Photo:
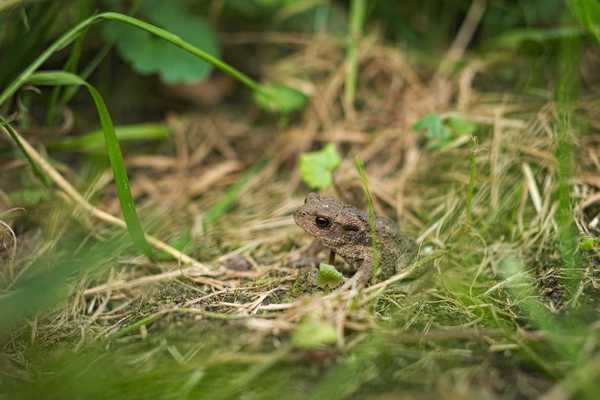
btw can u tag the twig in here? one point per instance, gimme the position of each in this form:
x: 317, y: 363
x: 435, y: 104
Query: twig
x: 462, y: 39
x: 146, y: 280
x: 534, y: 192
x: 494, y: 160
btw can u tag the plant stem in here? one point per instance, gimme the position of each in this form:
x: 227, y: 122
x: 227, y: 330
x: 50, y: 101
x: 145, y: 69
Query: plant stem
x: 566, y: 93
x: 357, y: 19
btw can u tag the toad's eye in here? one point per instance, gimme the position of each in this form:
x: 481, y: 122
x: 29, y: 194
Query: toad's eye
x: 351, y: 228
x: 322, y: 222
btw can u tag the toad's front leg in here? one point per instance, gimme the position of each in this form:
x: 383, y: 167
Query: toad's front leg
x: 362, y: 276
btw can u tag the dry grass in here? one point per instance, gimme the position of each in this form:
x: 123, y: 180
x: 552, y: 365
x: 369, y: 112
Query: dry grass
x: 252, y: 289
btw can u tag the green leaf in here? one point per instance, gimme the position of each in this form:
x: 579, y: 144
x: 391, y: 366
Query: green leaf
x: 589, y: 244
x: 279, y: 98
x: 312, y: 333
x: 461, y: 126
x: 53, y: 78
x: 317, y: 167
x: 435, y: 130
x: 328, y: 276
x: 433, y: 126
x: 148, y: 54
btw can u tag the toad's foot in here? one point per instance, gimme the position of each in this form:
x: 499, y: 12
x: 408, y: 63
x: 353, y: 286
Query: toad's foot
x: 360, y: 279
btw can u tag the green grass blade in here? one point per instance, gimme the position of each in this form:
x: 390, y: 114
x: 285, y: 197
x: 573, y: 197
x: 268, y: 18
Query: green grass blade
x: 588, y: 14
x: 70, y: 66
x: 360, y: 167
x: 517, y: 37
x: 50, y: 278
x: 59, y: 44
x: 9, y: 131
x: 112, y: 148
x: 357, y: 20
x: 228, y: 201
x: 93, y: 142
x: 85, y: 73
x: 566, y: 95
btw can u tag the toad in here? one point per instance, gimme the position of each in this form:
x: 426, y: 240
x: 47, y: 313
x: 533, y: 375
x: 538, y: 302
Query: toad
x: 345, y: 230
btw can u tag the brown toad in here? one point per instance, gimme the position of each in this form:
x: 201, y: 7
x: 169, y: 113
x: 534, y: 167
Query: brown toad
x: 345, y: 230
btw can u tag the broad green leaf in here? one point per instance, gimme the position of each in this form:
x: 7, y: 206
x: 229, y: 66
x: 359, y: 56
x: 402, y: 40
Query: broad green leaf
x: 279, y: 98
x: 54, y: 78
x: 316, y: 168
x: 328, y: 277
x: 461, y: 126
x: 149, y: 54
x: 312, y: 333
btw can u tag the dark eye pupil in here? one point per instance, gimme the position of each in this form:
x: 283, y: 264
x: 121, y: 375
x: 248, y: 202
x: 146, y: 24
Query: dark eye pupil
x: 322, y: 222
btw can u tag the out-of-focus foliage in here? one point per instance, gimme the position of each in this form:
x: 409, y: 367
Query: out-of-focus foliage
x: 440, y: 133
x: 148, y: 54
x: 317, y: 167
x: 280, y: 98
x: 328, y: 276
x: 312, y: 333
x: 588, y: 14
x: 489, y: 322
x: 51, y: 277
x: 433, y: 24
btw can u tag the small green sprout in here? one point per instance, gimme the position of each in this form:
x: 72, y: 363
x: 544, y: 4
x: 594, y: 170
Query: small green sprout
x: 441, y: 133
x: 316, y: 168
x: 328, y: 276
